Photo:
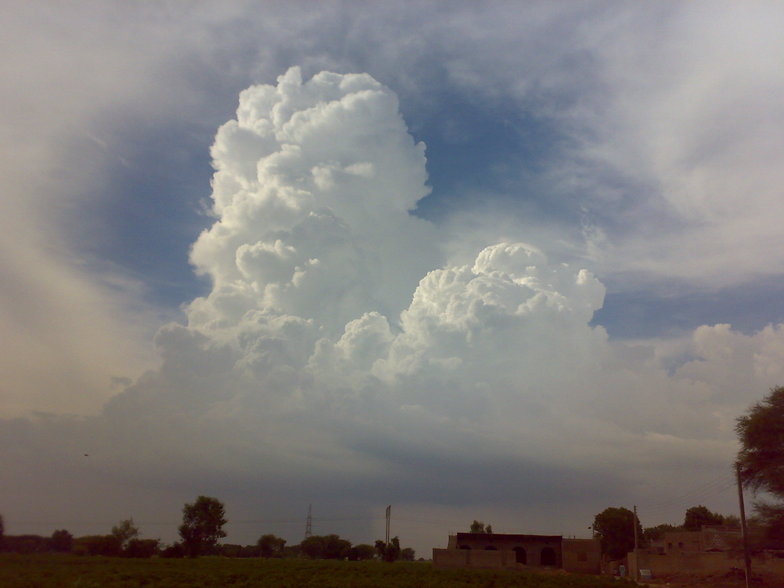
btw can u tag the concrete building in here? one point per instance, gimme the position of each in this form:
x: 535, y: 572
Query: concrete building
x: 518, y: 552
x: 710, y: 538
x: 709, y: 551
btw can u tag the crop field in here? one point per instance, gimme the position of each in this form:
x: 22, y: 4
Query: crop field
x: 62, y: 571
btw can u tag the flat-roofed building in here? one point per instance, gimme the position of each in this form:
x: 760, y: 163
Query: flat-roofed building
x: 519, y: 551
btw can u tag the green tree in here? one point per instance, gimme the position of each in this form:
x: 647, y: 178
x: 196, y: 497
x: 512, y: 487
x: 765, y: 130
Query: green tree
x: 697, y: 516
x: 125, y: 531
x: 175, y: 550
x: 761, y: 435
x: 614, y: 527
x: 141, y: 548
x: 407, y: 554
x: 657, y: 532
x: 361, y: 552
x: 271, y: 546
x: 2, y: 531
x: 107, y: 545
x: 479, y: 527
x: 389, y: 552
x: 202, y: 525
x: 325, y: 547
x: 761, y: 458
x: 61, y: 541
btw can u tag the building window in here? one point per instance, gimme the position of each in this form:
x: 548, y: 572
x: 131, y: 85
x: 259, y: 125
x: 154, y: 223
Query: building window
x: 491, y: 548
x: 465, y: 547
x: 521, y: 556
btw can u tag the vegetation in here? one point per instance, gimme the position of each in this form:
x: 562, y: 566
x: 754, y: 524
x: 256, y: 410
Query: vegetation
x: 325, y: 547
x: 615, y: 529
x: 55, y: 570
x: 62, y: 541
x: 125, y: 532
x: 361, y: 552
x: 271, y: 546
x: 693, y: 520
x: 480, y: 527
x: 202, y: 525
x: 761, y: 459
x: 656, y: 533
x: 697, y: 516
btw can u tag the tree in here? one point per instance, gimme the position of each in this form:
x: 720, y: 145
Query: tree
x: 202, y: 525
x: 175, y: 550
x: 271, y: 546
x: 761, y: 459
x: 361, y: 552
x: 389, y: 552
x: 325, y: 547
x: 657, y: 532
x: 61, y: 541
x: 125, y: 531
x: 615, y: 529
x: 479, y: 527
x: 2, y: 531
x: 141, y: 548
x: 107, y: 545
x: 697, y: 516
x: 761, y: 435
x: 407, y: 554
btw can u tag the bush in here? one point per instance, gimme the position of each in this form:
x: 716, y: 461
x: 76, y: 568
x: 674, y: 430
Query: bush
x: 325, y: 547
x: 175, y: 550
x: 61, y: 541
x: 361, y: 552
x: 25, y: 544
x: 98, y: 545
x: 141, y: 548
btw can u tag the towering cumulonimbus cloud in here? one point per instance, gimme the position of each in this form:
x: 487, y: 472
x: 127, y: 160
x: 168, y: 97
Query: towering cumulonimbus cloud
x: 344, y: 349
x: 334, y: 319
x: 313, y: 187
x: 322, y: 278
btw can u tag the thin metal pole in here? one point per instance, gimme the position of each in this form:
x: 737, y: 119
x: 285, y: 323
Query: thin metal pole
x: 743, y: 532
x: 636, y: 563
x: 389, y: 514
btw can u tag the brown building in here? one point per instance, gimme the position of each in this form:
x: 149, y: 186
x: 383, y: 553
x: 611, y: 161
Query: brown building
x: 709, y: 538
x: 517, y: 552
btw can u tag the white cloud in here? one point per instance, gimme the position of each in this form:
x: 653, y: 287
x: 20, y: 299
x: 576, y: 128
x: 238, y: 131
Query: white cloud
x: 303, y: 359
x: 349, y: 348
x: 687, y: 132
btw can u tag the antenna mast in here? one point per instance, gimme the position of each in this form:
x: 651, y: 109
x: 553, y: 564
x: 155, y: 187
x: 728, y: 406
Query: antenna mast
x: 309, y: 522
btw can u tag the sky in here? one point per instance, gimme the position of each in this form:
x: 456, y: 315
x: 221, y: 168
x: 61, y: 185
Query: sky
x: 513, y: 262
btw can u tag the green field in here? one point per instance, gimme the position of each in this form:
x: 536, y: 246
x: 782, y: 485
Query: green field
x: 61, y: 571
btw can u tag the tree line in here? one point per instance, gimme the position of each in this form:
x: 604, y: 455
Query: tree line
x: 200, y: 533
x: 615, y: 527
x: 760, y: 466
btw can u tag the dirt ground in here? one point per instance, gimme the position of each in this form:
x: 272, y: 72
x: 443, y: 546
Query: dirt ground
x: 732, y: 579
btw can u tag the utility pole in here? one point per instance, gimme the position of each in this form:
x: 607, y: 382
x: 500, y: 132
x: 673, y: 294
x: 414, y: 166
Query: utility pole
x: 309, y: 522
x: 636, y: 562
x: 389, y: 515
x: 743, y: 531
